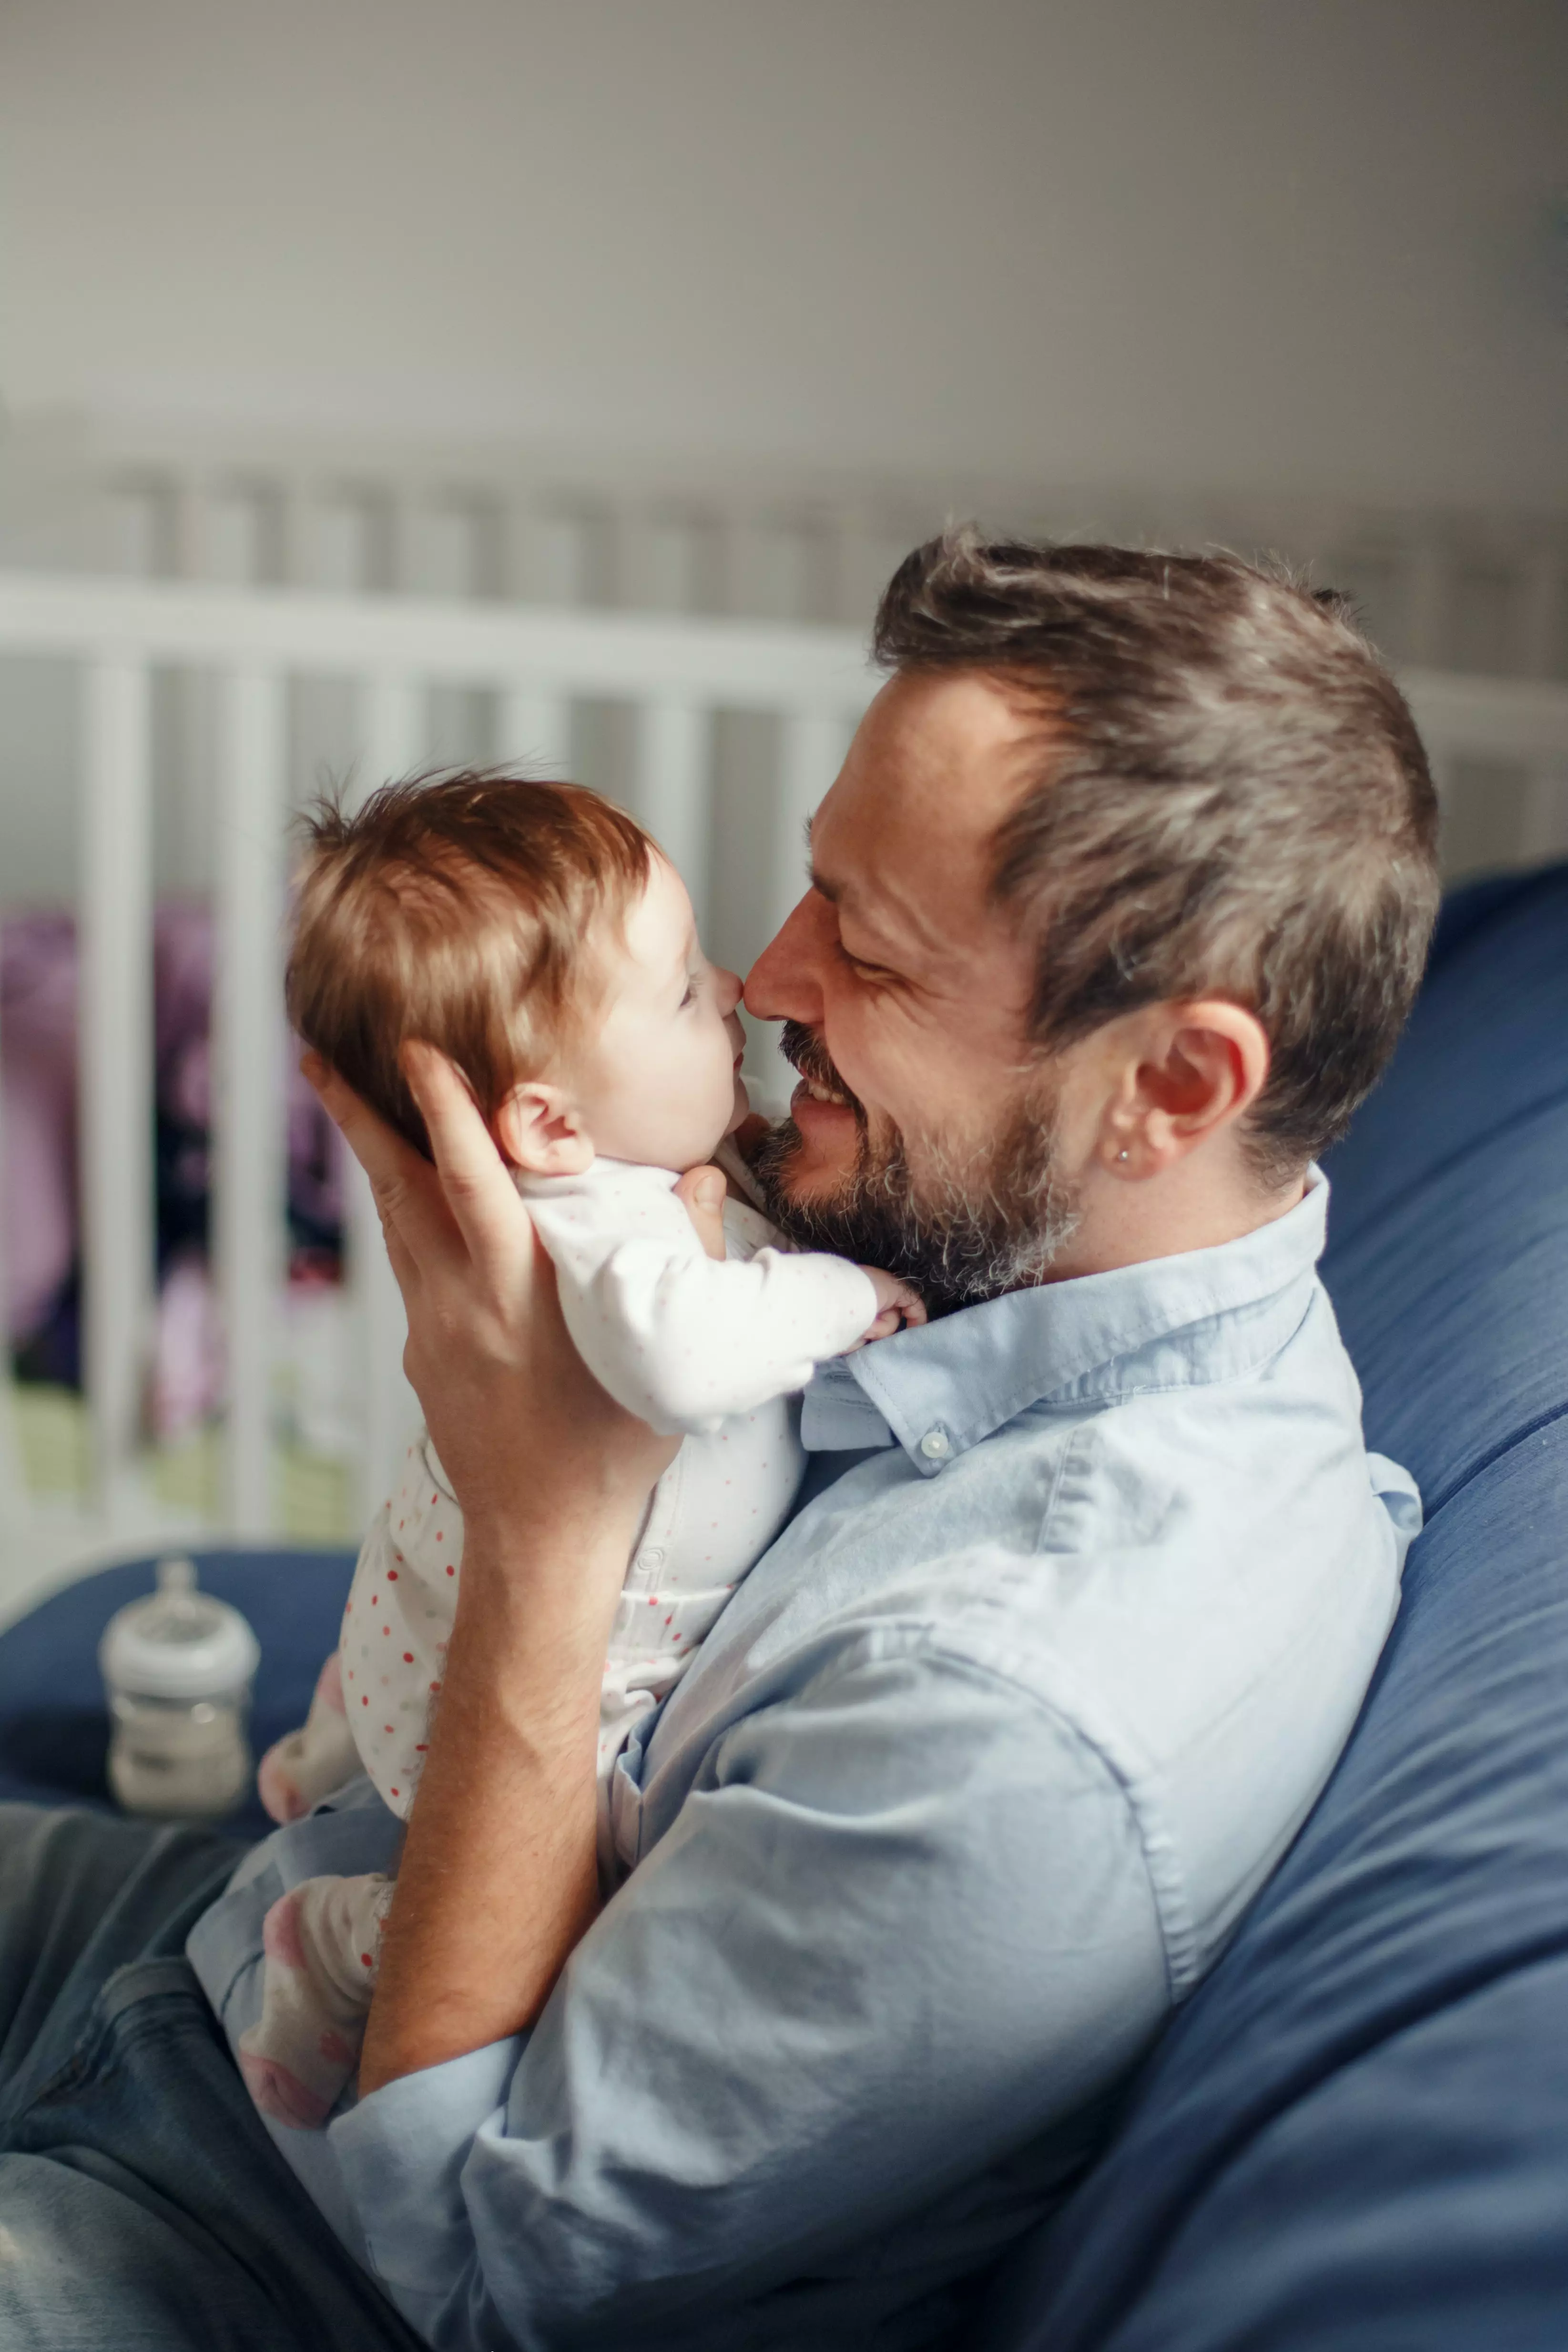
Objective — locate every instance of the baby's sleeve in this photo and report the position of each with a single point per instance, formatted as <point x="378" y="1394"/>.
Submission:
<point x="684" y="1340"/>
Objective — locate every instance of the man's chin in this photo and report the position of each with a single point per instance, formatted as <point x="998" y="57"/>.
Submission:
<point x="807" y="1177"/>
<point x="798" y="1177"/>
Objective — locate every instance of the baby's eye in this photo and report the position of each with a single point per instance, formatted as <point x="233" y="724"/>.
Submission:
<point x="691" y="995"/>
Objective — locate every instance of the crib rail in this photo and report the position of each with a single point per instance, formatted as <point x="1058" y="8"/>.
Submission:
<point x="676" y="673"/>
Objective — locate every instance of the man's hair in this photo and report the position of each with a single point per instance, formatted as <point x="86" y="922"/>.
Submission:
<point x="1232" y="800"/>
<point x="466" y="912"/>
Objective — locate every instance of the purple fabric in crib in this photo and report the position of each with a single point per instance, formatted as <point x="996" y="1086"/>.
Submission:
<point x="183" y="981"/>
<point x="38" y="1113"/>
<point x="38" y="1139"/>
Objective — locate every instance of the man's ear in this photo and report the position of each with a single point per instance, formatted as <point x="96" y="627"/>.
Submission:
<point x="541" y="1130"/>
<point x="1198" y="1068"/>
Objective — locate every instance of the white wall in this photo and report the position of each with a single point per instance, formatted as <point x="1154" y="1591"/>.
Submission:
<point x="1292" y="245"/>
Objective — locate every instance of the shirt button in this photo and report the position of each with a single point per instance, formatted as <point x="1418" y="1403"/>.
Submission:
<point x="651" y="1556"/>
<point x="936" y="1446"/>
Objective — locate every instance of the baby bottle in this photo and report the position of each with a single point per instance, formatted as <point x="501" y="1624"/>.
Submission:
<point x="177" y="1667"/>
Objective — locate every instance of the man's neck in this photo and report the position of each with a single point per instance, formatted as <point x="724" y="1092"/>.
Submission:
<point x="1126" y="1221"/>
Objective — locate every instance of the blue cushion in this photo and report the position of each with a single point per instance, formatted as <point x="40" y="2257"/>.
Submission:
<point x="1446" y="1259"/>
<point x="1356" y="2134"/>
<point x="1482" y="1057"/>
<point x="53" y="1730"/>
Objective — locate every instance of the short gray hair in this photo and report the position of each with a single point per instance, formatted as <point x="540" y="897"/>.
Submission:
<point x="1232" y="800"/>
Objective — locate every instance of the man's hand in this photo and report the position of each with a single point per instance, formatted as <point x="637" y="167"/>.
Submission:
<point x="897" y="1305"/>
<point x="516" y="1417"/>
<point x="499" y="1878"/>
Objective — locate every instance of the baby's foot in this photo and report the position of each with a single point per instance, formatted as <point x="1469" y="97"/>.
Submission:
<point x="280" y="2092"/>
<point x="321" y="1943"/>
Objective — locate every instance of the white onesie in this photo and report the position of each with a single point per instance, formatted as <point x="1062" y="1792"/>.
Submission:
<point x="713" y="1348"/>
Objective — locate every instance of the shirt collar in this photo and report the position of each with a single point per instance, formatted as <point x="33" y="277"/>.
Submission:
<point x="1171" y="1322"/>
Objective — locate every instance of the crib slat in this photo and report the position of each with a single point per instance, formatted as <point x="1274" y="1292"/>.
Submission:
<point x="535" y="730"/>
<point x="248" y="1032"/>
<point x="810" y="756"/>
<point x="115" y="1068"/>
<point x="673" y="791"/>
<point x="393" y="731"/>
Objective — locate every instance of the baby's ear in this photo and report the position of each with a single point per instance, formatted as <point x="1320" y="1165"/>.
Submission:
<point x="540" y="1131"/>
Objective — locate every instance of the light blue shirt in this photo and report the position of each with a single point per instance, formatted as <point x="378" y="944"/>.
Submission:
<point x="965" y="1791"/>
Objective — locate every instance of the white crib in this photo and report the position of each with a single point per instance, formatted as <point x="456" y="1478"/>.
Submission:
<point x="1500" y="748"/>
<point x="670" y="676"/>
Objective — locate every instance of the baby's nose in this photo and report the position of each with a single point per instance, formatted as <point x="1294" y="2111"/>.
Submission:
<point x="728" y="988"/>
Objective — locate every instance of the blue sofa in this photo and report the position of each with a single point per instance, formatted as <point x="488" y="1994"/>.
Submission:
<point x="1355" y="2134"/>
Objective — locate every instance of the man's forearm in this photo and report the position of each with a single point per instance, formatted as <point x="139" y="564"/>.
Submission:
<point x="499" y="1880"/>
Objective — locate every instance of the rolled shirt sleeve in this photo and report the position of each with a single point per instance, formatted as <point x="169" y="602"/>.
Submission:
<point x="901" y="1928"/>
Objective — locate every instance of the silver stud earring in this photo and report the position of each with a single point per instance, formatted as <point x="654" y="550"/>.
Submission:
<point x="1121" y="1155"/>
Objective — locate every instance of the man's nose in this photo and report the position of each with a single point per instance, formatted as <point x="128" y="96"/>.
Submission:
<point x="786" y="983"/>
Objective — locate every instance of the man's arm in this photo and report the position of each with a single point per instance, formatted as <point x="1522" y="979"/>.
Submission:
<point x="497" y="1882"/>
<point x="895" y="1929"/>
<point x="498" y="1879"/>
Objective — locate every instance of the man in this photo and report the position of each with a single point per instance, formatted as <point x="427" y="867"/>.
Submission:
<point x="1115" y="912"/>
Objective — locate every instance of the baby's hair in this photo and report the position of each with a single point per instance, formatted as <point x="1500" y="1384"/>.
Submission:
<point x="465" y="911"/>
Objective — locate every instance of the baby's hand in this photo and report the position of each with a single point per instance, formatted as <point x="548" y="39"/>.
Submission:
<point x="898" y="1307"/>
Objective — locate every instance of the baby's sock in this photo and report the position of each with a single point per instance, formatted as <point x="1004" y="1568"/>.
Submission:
<point x="322" y="1942"/>
<point x="309" y="1764"/>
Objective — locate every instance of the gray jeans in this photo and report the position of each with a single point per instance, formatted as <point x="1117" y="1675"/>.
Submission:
<point x="143" y="2207"/>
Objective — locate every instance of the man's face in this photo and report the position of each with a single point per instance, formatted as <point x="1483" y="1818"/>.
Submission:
<point x="922" y="1136"/>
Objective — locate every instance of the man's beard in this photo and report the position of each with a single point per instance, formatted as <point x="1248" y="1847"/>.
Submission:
<point x="969" y="1227"/>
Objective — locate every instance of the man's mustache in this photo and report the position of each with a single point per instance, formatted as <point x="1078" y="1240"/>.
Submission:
<point x="805" y="1051"/>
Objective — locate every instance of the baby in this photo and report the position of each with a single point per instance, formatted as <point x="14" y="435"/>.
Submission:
<point x="537" y="936"/>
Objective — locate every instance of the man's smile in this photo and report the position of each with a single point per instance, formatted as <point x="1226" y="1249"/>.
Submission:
<point x="822" y="1107"/>
<point x="821" y="1082"/>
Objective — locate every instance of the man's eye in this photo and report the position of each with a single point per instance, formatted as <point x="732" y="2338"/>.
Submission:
<point x="862" y="971"/>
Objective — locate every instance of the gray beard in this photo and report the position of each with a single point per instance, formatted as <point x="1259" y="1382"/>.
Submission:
<point x="965" y="1230"/>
